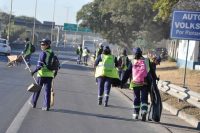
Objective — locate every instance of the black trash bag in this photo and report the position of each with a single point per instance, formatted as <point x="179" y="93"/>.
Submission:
<point x="116" y="82"/>
<point x="156" y="103"/>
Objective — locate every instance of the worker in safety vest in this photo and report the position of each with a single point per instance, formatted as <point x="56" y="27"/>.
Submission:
<point x="86" y="53"/>
<point x="123" y="63"/>
<point x="99" y="51"/>
<point x="138" y="68"/>
<point x="27" y="51"/>
<point x="105" y="72"/>
<point x="44" y="75"/>
<point x="79" y="52"/>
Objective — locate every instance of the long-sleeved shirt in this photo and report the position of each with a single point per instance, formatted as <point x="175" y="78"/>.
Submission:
<point x="41" y="61"/>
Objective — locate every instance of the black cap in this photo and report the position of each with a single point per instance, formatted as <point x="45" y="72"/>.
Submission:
<point x="137" y="50"/>
<point x="45" y="41"/>
<point x="27" y="39"/>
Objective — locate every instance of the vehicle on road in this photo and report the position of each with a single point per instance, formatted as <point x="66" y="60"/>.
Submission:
<point x="4" y="47"/>
<point x="90" y="46"/>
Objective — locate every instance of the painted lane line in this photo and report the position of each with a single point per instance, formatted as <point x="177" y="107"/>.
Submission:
<point x="17" y="122"/>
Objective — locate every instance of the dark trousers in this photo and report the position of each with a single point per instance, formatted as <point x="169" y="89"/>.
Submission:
<point x="140" y="98"/>
<point x="104" y="86"/>
<point x="79" y="58"/>
<point x="85" y="58"/>
<point x="46" y="83"/>
<point x="28" y="59"/>
<point x="121" y="74"/>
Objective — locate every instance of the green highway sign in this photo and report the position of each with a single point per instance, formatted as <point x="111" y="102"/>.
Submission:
<point x="73" y="27"/>
<point x="70" y="27"/>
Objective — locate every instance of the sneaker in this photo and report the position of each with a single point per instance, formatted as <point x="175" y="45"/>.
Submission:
<point x="45" y="109"/>
<point x="30" y="103"/>
<point x="106" y="104"/>
<point x="99" y="102"/>
<point x="135" y="116"/>
<point x="144" y="114"/>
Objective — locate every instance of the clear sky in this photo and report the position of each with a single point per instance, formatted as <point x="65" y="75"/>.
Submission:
<point x="65" y="10"/>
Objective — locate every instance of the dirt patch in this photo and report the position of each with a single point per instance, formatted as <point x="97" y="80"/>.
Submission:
<point x="168" y="71"/>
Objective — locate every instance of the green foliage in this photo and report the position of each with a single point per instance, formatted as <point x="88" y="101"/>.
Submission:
<point x="164" y="9"/>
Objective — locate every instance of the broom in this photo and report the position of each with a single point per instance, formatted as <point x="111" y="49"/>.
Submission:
<point x="34" y="87"/>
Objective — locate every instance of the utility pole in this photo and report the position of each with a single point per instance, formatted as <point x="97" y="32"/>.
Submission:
<point x="34" y="22"/>
<point x="53" y="24"/>
<point x="9" y="24"/>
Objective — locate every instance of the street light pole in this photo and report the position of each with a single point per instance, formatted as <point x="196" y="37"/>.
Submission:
<point x="34" y="22"/>
<point x="53" y="20"/>
<point x="9" y="24"/>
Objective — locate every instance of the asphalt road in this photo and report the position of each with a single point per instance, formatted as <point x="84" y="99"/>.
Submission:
<point x="75" y="110"/>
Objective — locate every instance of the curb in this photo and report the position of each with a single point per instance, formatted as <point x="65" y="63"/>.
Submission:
<point x="181" y="114"/>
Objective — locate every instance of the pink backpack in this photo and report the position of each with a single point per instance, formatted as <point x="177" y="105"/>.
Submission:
<point x="139" y="71"/>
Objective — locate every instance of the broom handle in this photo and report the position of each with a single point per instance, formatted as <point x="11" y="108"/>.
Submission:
<point x="28" y="68"/>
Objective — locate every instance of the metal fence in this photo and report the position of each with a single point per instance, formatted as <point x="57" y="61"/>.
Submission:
<point x="179" y="92"/>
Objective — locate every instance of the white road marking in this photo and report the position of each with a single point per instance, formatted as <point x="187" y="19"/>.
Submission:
<point x="17" y="122"/>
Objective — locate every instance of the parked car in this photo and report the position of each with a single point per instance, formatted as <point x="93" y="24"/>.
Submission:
<point x="4" y="47"/>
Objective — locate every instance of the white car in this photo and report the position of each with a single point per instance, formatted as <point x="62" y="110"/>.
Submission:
<point x="4" y="47"/>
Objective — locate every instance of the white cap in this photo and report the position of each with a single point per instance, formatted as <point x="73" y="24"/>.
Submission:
<point x="100" y="44"/>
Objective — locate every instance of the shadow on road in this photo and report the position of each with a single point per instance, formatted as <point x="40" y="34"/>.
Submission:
<point x="76" y="67"/>
<point x="90" y="114"/>
<point x="179" y="126"/>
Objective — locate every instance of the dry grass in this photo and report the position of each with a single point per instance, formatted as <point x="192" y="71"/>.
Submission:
<point x="168" y="71"/>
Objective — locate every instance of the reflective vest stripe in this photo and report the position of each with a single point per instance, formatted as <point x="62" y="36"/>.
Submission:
<point x="136" y="107"/>
<point x="144" y="105"/>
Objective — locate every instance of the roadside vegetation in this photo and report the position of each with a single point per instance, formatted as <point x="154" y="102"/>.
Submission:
<point x="131" y="23"/>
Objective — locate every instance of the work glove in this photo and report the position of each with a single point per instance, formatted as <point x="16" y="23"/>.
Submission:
<point x="32" y="73"/>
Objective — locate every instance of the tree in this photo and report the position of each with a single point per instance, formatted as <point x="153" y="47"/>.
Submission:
<point x="164" y="9"/>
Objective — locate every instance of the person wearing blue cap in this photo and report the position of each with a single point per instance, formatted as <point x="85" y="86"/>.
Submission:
<point x="44" y="74"/>
<point x="105" y="73"/>
<point x="138" y="69"/>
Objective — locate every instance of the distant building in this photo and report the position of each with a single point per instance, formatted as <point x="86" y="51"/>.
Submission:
<point x="24" y="22"/>
<point x="177" y="49"/>
<point x="193" y="60"/>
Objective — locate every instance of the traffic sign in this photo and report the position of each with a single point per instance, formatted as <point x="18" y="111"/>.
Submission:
<point x="70" y="27"/>
<point x="74" y="27"/>
<point x="185" y="25"/>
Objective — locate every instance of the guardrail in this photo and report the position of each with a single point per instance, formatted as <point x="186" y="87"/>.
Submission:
<point x="180" y="92"/>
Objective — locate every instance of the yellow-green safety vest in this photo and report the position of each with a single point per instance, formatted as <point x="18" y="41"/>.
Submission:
<point x="107" y="67"/>
<point x="85" y="52"/>
<point x="44" y="71"/>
